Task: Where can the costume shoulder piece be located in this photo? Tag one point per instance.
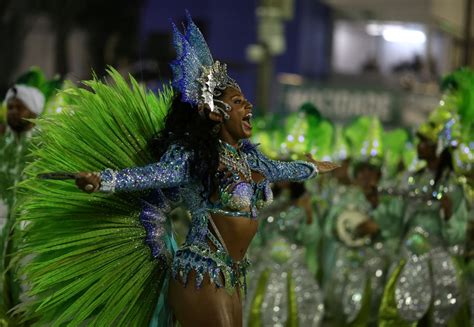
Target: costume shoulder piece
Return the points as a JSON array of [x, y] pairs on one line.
[[275, 170], [88, 254]]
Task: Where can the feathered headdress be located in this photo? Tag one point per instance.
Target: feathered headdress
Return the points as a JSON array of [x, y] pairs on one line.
[[365, 137], [195, 73]]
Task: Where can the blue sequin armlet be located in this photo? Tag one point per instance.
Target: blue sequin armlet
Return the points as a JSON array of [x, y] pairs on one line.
[[171, 171], [275, 170]]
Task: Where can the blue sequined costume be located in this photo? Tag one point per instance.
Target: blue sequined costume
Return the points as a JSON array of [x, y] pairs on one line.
[[170, 178]]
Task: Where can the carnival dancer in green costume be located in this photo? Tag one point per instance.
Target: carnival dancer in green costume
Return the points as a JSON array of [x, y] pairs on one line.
[[330, 195], [24, 101], [316, 138], [337, 183], [353, 247], [425, 287], [463, 162], [109, 258], [284, 290], [398, 154], [290, 233]]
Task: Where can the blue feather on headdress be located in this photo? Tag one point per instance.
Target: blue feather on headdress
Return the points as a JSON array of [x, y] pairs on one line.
[[192, 54], [196, 40], [195, 74]]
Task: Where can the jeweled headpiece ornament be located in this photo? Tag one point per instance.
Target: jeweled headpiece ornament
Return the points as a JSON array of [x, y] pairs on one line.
[[195, 73]]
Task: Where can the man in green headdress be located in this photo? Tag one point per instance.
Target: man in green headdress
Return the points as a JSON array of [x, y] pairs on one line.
[[289, 233], [24, 102], [463, 163], [353, 267], [462, 82], [317, 140], [425, 286], [399, 157]]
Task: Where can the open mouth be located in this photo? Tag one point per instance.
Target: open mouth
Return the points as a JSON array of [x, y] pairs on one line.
[[246, 121]]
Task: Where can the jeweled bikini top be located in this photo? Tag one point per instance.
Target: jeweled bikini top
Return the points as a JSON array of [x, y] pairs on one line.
[[239, 195]]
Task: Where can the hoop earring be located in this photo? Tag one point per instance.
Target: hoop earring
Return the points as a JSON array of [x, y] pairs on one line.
[[223, 108]]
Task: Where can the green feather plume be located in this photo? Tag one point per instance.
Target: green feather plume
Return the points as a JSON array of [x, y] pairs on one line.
[[83, 255]]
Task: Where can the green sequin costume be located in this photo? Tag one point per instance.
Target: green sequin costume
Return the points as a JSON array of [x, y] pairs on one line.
[[428, 281], [283, 290]]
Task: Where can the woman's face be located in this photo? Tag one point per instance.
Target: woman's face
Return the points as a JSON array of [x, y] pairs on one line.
[[239, 125]]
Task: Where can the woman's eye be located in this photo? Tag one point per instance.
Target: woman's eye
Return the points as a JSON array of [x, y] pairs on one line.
[[237, 101]]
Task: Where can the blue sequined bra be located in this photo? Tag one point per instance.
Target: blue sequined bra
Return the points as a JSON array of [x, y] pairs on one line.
[[170, 181], [243, 199], [238, 194]]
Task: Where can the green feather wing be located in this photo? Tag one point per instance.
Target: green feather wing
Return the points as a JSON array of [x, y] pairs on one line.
[[84, 255]]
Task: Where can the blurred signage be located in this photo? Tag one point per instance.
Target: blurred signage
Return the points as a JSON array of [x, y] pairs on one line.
[[339, 103], [343, 104]]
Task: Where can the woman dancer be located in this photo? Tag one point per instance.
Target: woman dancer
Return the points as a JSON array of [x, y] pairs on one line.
[[205, 164]]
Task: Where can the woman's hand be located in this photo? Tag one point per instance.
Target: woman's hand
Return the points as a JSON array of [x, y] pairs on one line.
[[322, 166], [88, 182]]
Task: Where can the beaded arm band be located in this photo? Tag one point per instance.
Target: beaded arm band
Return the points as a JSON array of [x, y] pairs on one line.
[[171, 171], [275, 170]]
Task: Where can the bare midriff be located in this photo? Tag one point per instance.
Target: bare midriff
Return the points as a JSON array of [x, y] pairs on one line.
[[237, 233]]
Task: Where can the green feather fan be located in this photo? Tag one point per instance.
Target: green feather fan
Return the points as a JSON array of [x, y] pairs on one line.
[[83, 255]]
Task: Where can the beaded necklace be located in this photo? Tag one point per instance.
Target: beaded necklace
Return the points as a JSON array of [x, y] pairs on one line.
[[234, 161]]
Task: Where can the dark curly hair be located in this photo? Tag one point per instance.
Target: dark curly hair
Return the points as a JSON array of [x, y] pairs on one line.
[[186, 127]]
